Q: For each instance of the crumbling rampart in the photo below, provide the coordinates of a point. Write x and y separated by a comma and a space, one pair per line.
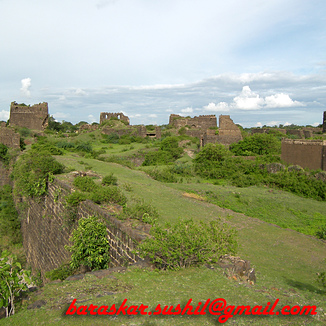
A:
202, 122
309, 154
9, 137
107, 116
32, 117
228, 132
45, 235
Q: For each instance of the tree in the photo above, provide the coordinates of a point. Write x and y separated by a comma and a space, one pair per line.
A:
13, 280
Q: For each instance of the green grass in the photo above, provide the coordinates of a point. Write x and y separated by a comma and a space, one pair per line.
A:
270, 205
285, 261
140, 286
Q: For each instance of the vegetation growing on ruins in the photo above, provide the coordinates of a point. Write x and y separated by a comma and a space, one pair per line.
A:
33, 170
4, 155
9, 221
90, 246
217, 178
257, 144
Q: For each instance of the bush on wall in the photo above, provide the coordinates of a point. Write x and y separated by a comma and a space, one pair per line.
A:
90, 246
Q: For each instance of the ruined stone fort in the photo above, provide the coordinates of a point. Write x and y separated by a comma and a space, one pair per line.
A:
33, 117
205, 128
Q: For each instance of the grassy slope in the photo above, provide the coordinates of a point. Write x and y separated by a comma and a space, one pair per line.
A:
285, 261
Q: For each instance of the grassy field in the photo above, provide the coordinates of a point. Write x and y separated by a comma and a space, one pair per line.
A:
286, 261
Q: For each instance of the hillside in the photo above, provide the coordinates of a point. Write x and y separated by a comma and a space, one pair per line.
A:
275, 231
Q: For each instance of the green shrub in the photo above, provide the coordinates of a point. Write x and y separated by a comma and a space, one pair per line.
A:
46, 146
33, 170
75, 198
60, 273
84, 147
158, 158
141, 211
212, 153
182, 131
321, 233
9, 221
171, 145
24, 132
85, 183
109, 194
110, 180
257, 144
110, 139
163, 175
90, 246
188, 243
321, 279
65, 144
4, 157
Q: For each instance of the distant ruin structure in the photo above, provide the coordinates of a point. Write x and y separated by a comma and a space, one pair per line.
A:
307, 153
227, 134
205, 128
32, 117
107, 116
324, 122
201, 122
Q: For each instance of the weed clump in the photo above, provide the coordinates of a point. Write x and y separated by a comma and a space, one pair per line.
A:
188, 243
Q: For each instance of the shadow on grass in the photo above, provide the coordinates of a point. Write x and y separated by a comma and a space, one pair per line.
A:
304, 286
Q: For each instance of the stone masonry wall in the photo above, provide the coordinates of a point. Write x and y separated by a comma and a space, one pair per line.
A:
33, 117
4, 175
309, 154
45, 235
9, 137
203, 121
107, 116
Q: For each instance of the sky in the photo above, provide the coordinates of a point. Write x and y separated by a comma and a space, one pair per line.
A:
261, 62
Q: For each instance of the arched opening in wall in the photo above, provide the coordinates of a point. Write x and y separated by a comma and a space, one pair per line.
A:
193, 126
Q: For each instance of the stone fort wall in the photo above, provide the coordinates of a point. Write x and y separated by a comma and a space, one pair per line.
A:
228, 132
203, 121
9, 137
107, 116
309, 154
33, 117
45, 235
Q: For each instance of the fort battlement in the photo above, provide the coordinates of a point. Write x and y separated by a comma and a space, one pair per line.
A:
107, 116
307, 153
32, 117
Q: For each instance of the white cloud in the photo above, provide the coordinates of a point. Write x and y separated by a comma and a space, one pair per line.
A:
222, 106
61, 115
316, 124
4, 115
259, 124
287, 124
248, 100
187, 110
26, 84
168, 110
91, 118
280, 101
80, 92
273, 123
153, 116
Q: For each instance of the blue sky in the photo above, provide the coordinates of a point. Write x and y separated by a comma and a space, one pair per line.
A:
261, 62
